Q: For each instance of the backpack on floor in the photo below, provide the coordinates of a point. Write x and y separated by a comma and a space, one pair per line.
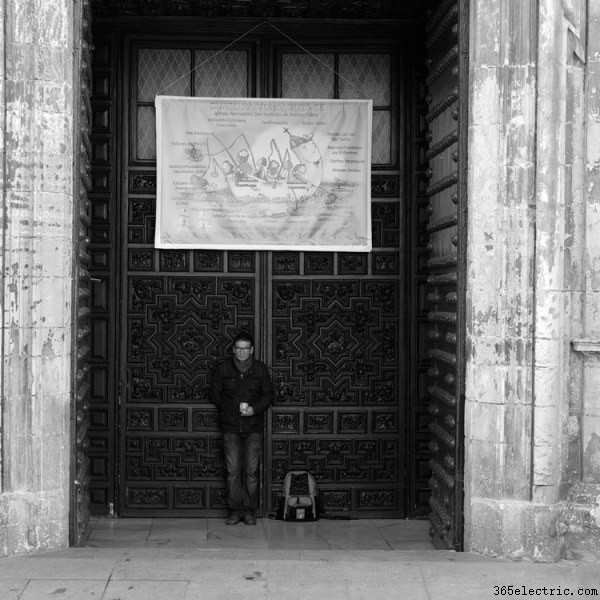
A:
299, 501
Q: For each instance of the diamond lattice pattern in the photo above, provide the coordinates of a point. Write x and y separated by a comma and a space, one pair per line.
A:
307, 76
381, 150
163, 72
367, 75
169, 72
221, 75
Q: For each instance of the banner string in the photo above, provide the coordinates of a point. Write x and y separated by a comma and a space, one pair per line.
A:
241, 37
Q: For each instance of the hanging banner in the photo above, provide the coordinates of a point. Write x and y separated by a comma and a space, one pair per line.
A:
263, 174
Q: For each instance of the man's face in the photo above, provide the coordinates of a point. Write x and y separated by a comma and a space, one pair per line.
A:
242, 350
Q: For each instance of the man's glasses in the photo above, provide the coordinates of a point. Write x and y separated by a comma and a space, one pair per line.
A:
242, 348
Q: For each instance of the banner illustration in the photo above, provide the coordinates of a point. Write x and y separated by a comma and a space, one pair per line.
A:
270, 174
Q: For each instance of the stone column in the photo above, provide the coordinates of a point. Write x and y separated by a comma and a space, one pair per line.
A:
520, 278
37, 265
591, 343
581, 518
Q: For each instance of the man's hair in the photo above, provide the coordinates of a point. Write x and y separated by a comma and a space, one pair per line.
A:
243, 336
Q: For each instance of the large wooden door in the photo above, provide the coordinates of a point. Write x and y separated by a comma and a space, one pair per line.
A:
444, 282
331, 326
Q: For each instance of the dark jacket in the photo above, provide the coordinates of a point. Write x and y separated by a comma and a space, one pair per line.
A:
230, 387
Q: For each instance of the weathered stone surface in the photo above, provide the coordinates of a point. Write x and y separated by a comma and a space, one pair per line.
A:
580, 522
516, 530
528, 254
590, 434
36, 326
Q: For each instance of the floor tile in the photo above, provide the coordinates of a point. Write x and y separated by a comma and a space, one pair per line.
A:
240, 590
299, 545
354, 544
267, 534
410, 544
53, 566
146, 590
171, 542
120, 533
180, 526
187, 568
123, 534
405, 589
66, 589
122, 524
112, 542
311, 588
236, 536
185, 533
11, 589
414, 530
341, 580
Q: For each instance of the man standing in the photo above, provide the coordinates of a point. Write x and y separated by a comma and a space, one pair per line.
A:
242, 390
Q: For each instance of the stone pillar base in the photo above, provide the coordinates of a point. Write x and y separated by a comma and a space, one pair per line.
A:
515, 529
32, 523
580, 522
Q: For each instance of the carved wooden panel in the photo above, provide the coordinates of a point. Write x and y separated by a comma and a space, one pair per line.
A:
336, 366
178, 327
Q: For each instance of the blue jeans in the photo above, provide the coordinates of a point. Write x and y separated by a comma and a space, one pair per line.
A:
242, 458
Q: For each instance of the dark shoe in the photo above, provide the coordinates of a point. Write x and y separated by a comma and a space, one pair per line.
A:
249, 519
233, 519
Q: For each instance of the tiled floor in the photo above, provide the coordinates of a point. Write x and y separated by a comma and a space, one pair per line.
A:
325, 534
203, 559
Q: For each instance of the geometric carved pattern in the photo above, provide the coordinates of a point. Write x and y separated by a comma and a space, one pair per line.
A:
178, 328
336, 370
385, 221
384, 185
350, 472
141, 221
176, 332
335, 341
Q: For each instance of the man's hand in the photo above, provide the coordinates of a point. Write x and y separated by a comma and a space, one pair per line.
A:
246, 411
